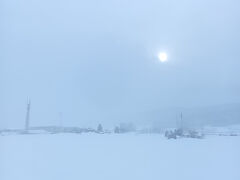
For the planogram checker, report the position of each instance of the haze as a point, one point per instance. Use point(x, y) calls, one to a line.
point(96, 61)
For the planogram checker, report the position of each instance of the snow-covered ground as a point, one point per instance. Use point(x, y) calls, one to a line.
point(118, 157)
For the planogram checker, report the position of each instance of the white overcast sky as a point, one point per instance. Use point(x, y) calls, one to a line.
point(92, 60)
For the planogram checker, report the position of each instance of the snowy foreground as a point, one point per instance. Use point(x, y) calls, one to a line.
point(118, 157)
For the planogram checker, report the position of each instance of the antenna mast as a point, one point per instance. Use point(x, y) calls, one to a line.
point(181, 121)
point(27, 120)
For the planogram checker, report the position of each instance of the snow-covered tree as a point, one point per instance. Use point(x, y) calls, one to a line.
point(116, 129)
point(100, 128)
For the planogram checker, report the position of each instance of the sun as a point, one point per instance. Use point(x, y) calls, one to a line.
point(162, 56)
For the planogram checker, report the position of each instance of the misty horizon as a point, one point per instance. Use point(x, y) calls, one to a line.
point(98, 63)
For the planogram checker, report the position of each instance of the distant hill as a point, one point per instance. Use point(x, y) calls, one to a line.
point(220, 115)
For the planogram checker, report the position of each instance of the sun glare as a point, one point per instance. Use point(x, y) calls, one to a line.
point(162, 56)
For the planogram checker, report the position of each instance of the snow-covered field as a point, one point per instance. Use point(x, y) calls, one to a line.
point(118, 157)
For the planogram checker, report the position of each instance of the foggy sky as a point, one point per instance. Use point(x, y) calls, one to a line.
point(93, 61)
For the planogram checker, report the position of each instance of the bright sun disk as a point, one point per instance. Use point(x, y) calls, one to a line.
point(162, 57)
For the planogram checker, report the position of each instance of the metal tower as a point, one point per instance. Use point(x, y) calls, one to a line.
point(27, 120)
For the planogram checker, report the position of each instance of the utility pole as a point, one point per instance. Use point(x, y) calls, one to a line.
point(27, 120)
point(60, 119)
point(177, 122)
point(181, 121)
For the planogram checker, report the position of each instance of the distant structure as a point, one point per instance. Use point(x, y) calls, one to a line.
point(60, 119)
point(27, 120)
point(180, 123)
